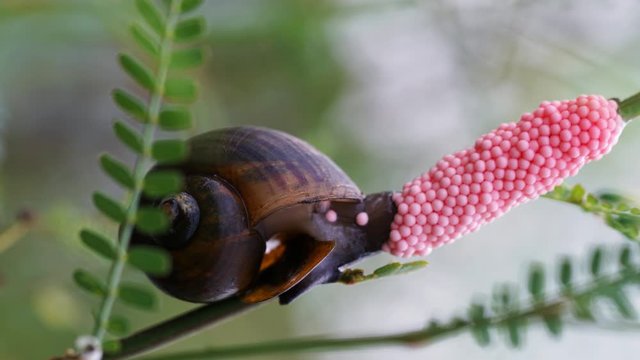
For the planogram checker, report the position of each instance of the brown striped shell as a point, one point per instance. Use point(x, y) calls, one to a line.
point(244, 186)
point(269, 169)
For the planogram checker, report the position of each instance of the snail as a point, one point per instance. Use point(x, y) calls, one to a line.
point(263, 214)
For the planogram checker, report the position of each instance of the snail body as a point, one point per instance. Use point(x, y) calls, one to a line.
point(263, 214)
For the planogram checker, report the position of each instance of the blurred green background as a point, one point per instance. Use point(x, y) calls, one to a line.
point(374, 84)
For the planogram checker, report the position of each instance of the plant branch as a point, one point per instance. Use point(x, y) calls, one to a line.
point(181, 326)
point(558, 305)
point(629, 108)
point(142, 165)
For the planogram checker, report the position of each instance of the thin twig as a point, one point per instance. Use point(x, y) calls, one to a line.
point(142, 165)
point(179, 327)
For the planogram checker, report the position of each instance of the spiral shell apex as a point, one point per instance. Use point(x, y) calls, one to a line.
point(513, 164)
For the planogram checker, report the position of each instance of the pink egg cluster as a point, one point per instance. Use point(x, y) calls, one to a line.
point(513, 164)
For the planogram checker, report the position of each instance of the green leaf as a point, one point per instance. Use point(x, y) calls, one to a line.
point(591, 201)
point(634, 211)
point(624, 258)
point(582, 308)
point(145, 40)
point(109, 207)
point(98, 243)
point(118, 325)
point(513, 328)
point(536, 282)
point(479, 326)
point(151, 15)
point(566, 272)
point(160, 183)
point(186, 58)
point(622, 207)
point(130, 104)
point(117, 171)
point(388, 269)
point(184, 90)
point(137, 296)
point(151, 221)
point(188, 5)
point(111, 346)
point(175, 118)
point(168, 151)
point(151, 260)
point(577, 194)
point(138, 72)
point(189, 29)
point(622, 304)
point(128, 136)
point(627, 228)
point(412, 266)
point(596, 261)
point(89, 283)
point(553, 323)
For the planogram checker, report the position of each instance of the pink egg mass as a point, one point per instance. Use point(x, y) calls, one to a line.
point(513, 164)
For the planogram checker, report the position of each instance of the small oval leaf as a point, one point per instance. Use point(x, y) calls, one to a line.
point(151, 221)
point(412, 266)
point(536, 282)
point(566, 272)
point(138, 72)
point(188, 5)
point(109, 207)
point(128, 136)
point(167, 151)
point(111, 346)
point(117, 171)
point(186, 58)
point(622, 304)
point(118, 325)
point(184, 90)
point(145, 39)
point(98, 243)
point(388, 269)
point(151, 15)
point(137, 296)
point(624, 259)
point(130, 104)
point(479, 326)
point(88, 282)
point(189, 29)
point(160, 183)
point(596, 261)
point(175, 118)
point(553, 323)
point(151, 260)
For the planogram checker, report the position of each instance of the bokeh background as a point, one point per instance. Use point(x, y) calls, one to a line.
point(374, 84)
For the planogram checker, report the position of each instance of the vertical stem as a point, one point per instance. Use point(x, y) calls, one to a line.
point(143, 162)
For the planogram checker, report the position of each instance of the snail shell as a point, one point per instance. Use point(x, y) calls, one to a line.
point(245, 186)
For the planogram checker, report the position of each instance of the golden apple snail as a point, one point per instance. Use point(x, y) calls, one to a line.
point(264, 214)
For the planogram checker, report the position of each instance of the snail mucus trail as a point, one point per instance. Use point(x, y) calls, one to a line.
point(263, 214)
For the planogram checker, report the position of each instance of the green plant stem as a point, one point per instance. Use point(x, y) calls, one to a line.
point(181, 326)
point(629, 108)
point(171, 330)
point(142, 165)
